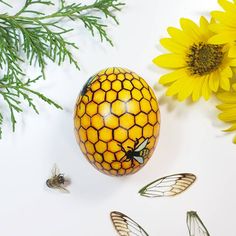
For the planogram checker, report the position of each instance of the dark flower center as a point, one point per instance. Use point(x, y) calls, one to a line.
point(204, 58)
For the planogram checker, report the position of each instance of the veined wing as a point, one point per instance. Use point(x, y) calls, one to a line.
point(125, 226)
point(139, 159)
point(142, 145)
point(168, 186)
point(55, 170)
point(195, 225)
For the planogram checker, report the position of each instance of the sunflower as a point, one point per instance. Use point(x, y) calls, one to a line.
point(225, 26)
point(199, 68)
point(228, 109)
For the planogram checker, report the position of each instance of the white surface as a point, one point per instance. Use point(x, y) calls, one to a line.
point(190, 141)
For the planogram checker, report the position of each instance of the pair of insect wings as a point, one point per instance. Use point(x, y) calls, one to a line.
point(125, 226)
point(167, 186)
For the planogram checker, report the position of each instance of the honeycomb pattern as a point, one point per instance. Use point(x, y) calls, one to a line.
point(116, 109)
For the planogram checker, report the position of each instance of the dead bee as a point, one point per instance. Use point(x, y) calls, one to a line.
point(58, 180)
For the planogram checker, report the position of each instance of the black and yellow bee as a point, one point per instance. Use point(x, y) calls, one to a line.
point(137, 153)
point(58, 180)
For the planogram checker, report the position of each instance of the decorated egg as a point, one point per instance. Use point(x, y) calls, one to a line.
point(117, 121)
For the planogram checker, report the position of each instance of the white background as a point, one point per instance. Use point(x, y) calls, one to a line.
point(190, 141)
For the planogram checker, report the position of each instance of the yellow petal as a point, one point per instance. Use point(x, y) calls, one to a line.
point(191, 29)
point(173, 76)
point(204, 25)
point(227, 6)
point(175, 87)
point(172, 46)
point(180, 37)
point(227, 97)
point(186, 89)
point(232, 52)
point(222, 38)
point(197, 90)
point(225, 18)
point(214, 81)
point(228, 116)
point(170, 61)
point(232, 128)
point(234, 140)
point(206, 92)
point(224, 83)
point(226, 106)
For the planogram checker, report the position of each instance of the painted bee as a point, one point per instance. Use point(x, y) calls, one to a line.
point(57, 180)
point(137, 153)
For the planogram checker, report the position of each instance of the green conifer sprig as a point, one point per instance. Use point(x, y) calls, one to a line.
point(33, 37)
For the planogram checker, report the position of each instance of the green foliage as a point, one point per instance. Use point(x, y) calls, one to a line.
point(33, 37)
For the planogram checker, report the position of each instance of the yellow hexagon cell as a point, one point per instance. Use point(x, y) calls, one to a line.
point(99, 96)
point(101, 146)
point(124, 95)
point(98, 157)
point(106, 166)
point(141, 119)
point(113, 146)
point(133, 107)
point(154, 105)
point(111, 121)
point(137, 84)
point(105, 134)
point(89, 147)
point(104, 109)
point(135, 133)
point(92, 109)
point(111, 96)
point(127, 85)
point(118, 108)
point(83, 134)
point(146, 94)
point(106, 85)
point(145, 106)
point(92, 134)
point(152, 118)
point(136, 94)
point(116, 85)
point(121, 77)
point(109, 157)
point(120, 134)
point(148, 131)
point(127, 120)
point(115, 113)
point(116, 165)
point(111, 77)
point(97, 121)
point(85, 121)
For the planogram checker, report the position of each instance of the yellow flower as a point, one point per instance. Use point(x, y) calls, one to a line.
point(225, 26)
point(200, 68)
point(228, 109)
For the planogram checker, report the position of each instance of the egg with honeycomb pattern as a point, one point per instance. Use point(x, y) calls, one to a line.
point(117, 121)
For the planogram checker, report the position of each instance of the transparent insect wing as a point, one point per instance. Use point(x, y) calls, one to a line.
point(55, 170)
point(168, 186)
point(139, 159)
point(195, 225)
point(142, 145)
point(125, 226)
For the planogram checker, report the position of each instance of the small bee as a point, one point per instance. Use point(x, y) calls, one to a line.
point(138, 153)
point(58, 181)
